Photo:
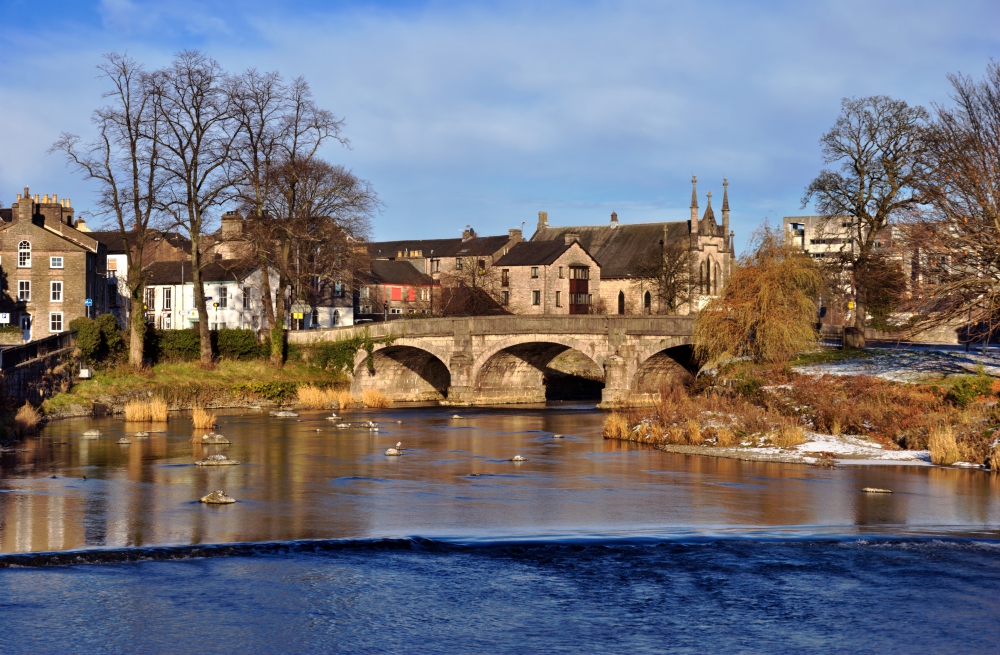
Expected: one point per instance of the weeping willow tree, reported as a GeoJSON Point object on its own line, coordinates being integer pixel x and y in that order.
{"type": "Point", "coordinates": [767, 311]}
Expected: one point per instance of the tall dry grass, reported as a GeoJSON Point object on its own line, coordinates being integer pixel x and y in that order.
{"type": "Point", "coordinates": [346, 400]}
{"type": "Point", "coordinates": [616, 426]}
{"type": "Point", "coordinates": [26, 420]}
{"type": "Point", "coordinates": [202, 418]}
{"type": "Point", "coordinates": [944, 449]}
{"type": "Point", "coordinates": [788, 436]}
{"type": "Point", "coordinates": [375, 398]}
{"type": "Point", "coordinates": [312, 397]}
{"type": "Point", "coordinates": [153, 410]}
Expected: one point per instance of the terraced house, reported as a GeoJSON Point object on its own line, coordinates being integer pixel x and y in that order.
{"type": "Point", "coordinates": [50, 271]}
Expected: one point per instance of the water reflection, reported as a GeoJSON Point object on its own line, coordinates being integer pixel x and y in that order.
{"type": "Point", "coordinates": [305, 479]}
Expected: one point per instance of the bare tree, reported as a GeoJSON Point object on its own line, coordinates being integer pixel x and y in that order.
{"type": "Point", "coordinates": [282, 131]}
{"type": "Point", "coordinates": [672, 274]}
{"type": "Point", "coordinates": [124, 159]}
{"type": "Point", "coordinates": [473, 288]}
{"type": "Point", "coordinates": [196, 142]}
{"type": "Point", "coordinates": [878, 143]}
{"type": "Point", "coordinates": [956, 243]}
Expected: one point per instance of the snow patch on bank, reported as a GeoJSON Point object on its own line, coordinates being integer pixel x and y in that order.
{"type": "Point", "coordinates": [908, 365]}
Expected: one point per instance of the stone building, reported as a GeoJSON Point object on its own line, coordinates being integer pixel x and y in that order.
{"type": "Point", "coordinates": [549, 277]}
{"type": "Point", "coordinates": [48, 268]}
{"type": "Point", "coordinates": [627, 253]}
{"type": "Point", "coordinates": [396, 287]}
{"type": "Point", "coordinates": [446, 259]}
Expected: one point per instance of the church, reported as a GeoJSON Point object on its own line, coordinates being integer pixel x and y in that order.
{"type": "Point", "coordinates": [636, 260]}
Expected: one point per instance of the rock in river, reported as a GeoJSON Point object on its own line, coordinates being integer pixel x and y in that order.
{"type": "Point", "coordinates": [123, 442]}
{"type": "Point", "coordinates": [91, 434]}
{"type": "Point", "coordinates": [395, 451]}
{"type": "Point", "coordinates": [518, 458]}
{"type": "Point", "coordinates": [216, 460]}
{"type": "Point", "coordinates": [282, 413]}
{"type": "Point", "coordinates": [211, 437]}
{"type": "Point", "coordinates": [218, 498]}
{"type": "Point", "coordinates": [141, 434]}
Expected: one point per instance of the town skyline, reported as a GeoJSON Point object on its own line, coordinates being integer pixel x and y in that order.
{"type": "Point", "coordinates": [577, 113]}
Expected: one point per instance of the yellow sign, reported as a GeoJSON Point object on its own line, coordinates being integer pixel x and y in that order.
{"type": "Point", "coordinates": [297, 315]}
{"type": "Point", "coordinates": [850, 304]}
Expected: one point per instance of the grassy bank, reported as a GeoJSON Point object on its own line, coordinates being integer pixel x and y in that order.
{"type": "Point", "coordinates": [753, 406]}
{"type": "Point", "coordinates": [182, 384]}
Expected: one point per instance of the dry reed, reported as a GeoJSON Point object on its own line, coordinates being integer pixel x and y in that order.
{"type": "Point", "coordinates": [788, 436]}
{"type": "Point", "coordinates": [941, 443]}
{"type": "Point", "coordinates": [725, 437]}
{"type": "Point", "coordinates": [375, 398]}
{"type": "Point", "coordinates": [692, 433]}
{"type": "Point", "coordinates": [202, 418]}
{"type": "Point", "coordinates": [616, 426]}
{"type": "Point", "coordinates": [993, 459]}
{"type": "Point", "coordinates": [312, 397]}
{"type": "Point", "coordinates": [346, 400]}
{"type": "Point", "coordinates": [26, 420]}
{"type": "Point", "coordinates": [153, 410]}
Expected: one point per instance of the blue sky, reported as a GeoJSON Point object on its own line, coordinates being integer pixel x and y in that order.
{"type": "Point", "coordinates": [484, 113]}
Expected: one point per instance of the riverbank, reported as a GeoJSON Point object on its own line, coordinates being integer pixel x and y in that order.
{"type": "Point", "coordinates": [831, 406]}
{"type": "Point", "coordinates": [181, 384]}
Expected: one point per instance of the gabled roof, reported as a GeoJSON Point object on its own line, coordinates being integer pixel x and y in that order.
{"type": "Point", "coordinates": [66, 232]}
{"type": "Point", "coordinates": [384, 271]}
{"type": "Point", "coordinates": [534, 253]}
{"type": "Point", "coordinates": [225, 270]}
{"type": "Point", "coordinates": [116, 246]}
{"type": "Point", "coordinates": [620, 250]}
{"type": "Point", "coordinates": [475, 247]}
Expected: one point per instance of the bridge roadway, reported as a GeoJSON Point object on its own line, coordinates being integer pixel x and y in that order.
{"type": "Point", "coordinates": [510, 359]}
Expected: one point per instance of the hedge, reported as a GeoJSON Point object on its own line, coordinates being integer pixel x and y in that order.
{"type": "Point", "coordinates": [185, 345]}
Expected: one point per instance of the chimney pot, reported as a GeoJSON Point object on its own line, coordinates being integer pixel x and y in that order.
{"type": "Point", "coordinates": [514, 233]}
{"type": "Point", "coordinates": [543, 219]}
{"type": "Point", "coordinates": [614, 218]}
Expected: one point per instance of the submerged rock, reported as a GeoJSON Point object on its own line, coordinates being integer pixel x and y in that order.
{"type": "Point", "coordinates": [558, 436]}
{"type": "Point", "coordinates": [123, 442]}
{"type": "Point", "coordinates": [283, 413]}
{"type": "Point", "coordinates": [91, 434]}
{"type": "Point", "coordinates": [218, 498]}
{"type": "Point", "coordinates": [518, 458]}
{"type": "Point", "coordinates": [211, 437]}
{"type": "Point", "coordinates": [141, 434]}
{"type": "Point", "coordinates": [457, 417]}
{"type": "Point", "coordinates": [216, 460]}
{"type": "Point", "coordinates": [876, 490]}
{"type": "Point", "coordinates": [396, 450]}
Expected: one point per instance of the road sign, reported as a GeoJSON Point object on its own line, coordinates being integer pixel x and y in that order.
{"type": "Point", "coordinates": [215, 304]}
{"type": "Point", "coordinates": [88, 302]}
{"type": "Point", "coordinates": [4, 318]}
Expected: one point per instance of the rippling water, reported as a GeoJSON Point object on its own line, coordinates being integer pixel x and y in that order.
{"type": "Point", "coordinates": [589, 546]}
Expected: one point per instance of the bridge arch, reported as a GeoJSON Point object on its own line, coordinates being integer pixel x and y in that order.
{"type": "Point", "coordinates": [666, 367]}
{"type": "Point", "coordinates": [403, 372]}
{"type": "Point", "coordinates": [526, 370]}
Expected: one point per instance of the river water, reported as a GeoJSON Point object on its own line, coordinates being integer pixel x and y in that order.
{"type": "Point", "coordinates": [588, 546]}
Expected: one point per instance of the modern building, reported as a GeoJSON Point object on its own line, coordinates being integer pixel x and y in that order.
{"type": "Point", "coordinates": [50, 272]}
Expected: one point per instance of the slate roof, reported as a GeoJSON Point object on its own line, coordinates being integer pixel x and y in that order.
{"type": "Point", "coordinates": [6, 214]}
{"type": "Point", "coordinates": [620, 251]}
{"type": "Point", "coordinates": [225, 270]}
{"type": "Point", "coordinates": [113, 240]}
{"type": "Point", "coordinates": [533, 253]}
{"type": "Point", "coordinates": [384, 271]}
{"type": "Point", "coordinates": [439, 247]}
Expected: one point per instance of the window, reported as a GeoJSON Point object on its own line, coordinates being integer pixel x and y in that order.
{"type": "Point", "coordinates": [481, 265]}
{"type": "Point", "coordinates": [168, 299]}
{"type": "Point", "coordinates": [458, 263]}
{"type": "Point", "coordinates": [56, 291]}
{"type": "Point", "coordinates": [150, 298]}
{"type": "Point", "coordinates": [336, 317]}
{"type": "Point", "coordinates": [338, 289]}
{"type": "Point", "coordinates": [246, 297]}
{"type": "Point", "coordinates": [425, 294]}
{"type": "Point", "coordinates": [505, 297]}
{"type": "Point", "coordinates": [435, 266]}
{"type": "Point", "coordinates": [55, 322]}
{"type": "Point", "coordinates": [24, 255]}
{"type": "Point", "coordinates": [559, 297]}
{"type": "Point", "coordinates": [579, 273]}
{"type": "Point", "coordinates": [412, 295]}
{"type": "Point", "coordinates": [24, 290]}
{"type": "Point", "coordinates": [534, 271]}
{"type": "Point", "coordinates": [560, 273]}
{"type": "Point", "coordinates": [112, 265]}
{"type": "Point", "coordinates": [536, 297]}
{"type": "Point", "coordinates": [396, 293]}
{"type": "Point", "coordinates": [315, 317]}
{"type": "Point", "coordinates": [223, 297]}
{"type": "Point", "coordinates": [395, 310]}
{"type": "Point", "coordinates": [505, 277]}
{"type": "Point", "coordinates": [55, 262]}
{"type": "Point", "coordinates": [315, 282]}
{"type": "Point", "coordinates": [165, 322]}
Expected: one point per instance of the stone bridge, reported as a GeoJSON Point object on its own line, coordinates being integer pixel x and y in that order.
{"type": "Point", "coordinates": [521, 359]}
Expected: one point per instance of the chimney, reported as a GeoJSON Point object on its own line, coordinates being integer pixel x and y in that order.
{"type": "Point", "coordinates": [570, 237]}
{"type": "Point", "coordinates": [232, 225]}
{"type": "Point", "coordinates": [514, 234]}
{"type": "Point", "coordinates": [81, 225]}
{"type": "Point", "coordinates": [614, 219]}
{"type": "Point", "coordinates": [468, 233]}
{"type": "Point", "coordinates": [543, 219]}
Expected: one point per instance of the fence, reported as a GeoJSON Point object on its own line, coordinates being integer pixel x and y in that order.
{"type": "Point", "coordinates": [27, 369]}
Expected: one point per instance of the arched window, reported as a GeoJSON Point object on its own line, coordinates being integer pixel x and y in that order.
{"type": "Point", "coordinates": [621, 302]}
{"type": "Point", "coordinates": [715, 281]}
{"type": "Point", "coordinates": [24, 255]}
{"type": "Point", "coordinates": [336, 317]}
{"type": "Point", "coordinates": [647, 303]}
{"type": "Point", "coordinates": [315, 317]}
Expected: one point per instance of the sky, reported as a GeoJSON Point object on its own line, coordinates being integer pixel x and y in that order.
{"type": "Point", "coordinates": [485, 113]}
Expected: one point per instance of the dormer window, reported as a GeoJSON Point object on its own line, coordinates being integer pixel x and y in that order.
{"type": "Point", "coordinates": [24, 255]}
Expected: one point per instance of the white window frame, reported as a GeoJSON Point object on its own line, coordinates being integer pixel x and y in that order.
{"type": "Point", "coordinates": [167, 299]}
{"type": "Point", "coordinates": [247, 296]}
{"type": "Point", "coordinates": [53, 264]}
{"type": "Point", "coordinates": [223, 298]}
{"type": "Point", "coordinates": [52, 319]}
{"type": "Point", "coordinates": [27, 287]}
{"type": "Point", "coordinates": [24, 261]}
{"type": "Point", "coordinates": [55, 291]}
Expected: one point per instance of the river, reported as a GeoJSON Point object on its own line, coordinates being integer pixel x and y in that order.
{"type": "Point", "coordinates": [588, 546]}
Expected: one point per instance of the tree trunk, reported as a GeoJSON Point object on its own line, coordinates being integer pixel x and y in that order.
{"type": "Point", "coordinates": [278, 329]}
{"type": "Point", "coordinates": [137, 329]}
{"type": "Point", "coordinates": [860, 316]}
{"type": "Point", "coordinates": [199, 303]}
